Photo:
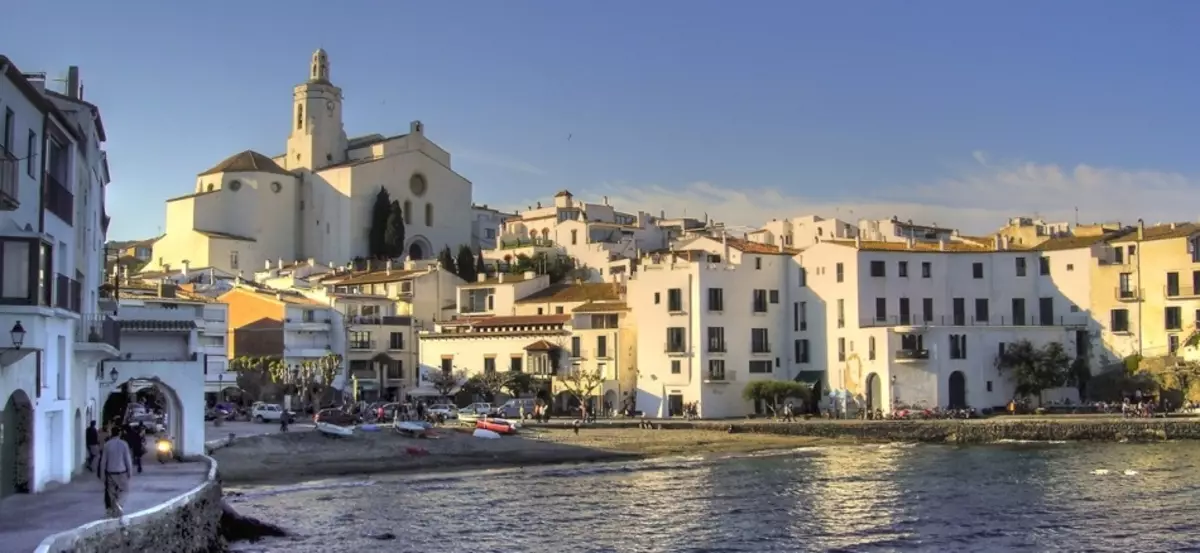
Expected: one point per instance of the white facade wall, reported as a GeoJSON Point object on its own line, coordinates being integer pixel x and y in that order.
{"type": "Point", "coordinates": [310, 338]}
{"type": "Point", "coordinates": [485, 227]}
{"type": "Point", "coordinates": [468, 351]}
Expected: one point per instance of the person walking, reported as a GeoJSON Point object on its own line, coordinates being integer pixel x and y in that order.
{"type": "Point", "coordinates": [92, 441]}
{"type": "Point", "coordinates": [114, 467]}
{"type": "Point", "coordinates": [137, 445]}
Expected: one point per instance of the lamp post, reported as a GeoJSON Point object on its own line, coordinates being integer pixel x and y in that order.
{"type": "Point", "coordinates": [895, 393]}
{"type": "Point", "coordinates": [113, 375]}
{"type": "Point", "coordinates": [18, 335]}
{"type": "Point", "coordinates": [221, 387]}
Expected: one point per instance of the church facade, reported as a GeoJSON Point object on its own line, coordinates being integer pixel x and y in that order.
{"type": "Point", "coordinates": [315, 200]}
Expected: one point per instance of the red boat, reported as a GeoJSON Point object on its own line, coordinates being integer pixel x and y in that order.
{"type": "Point", "coordinates": [499, 426]}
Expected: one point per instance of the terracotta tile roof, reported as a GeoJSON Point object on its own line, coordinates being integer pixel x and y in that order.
{"type": "Point", "coordinates": [1158, 232]}
{"type": "Point", "coordinates": [601, 307]}
{"type": "Point", "coordinates": [923, 247]}
{"type": "Point", "coordinates": [522, 320]}
{"type": "Point", "coordinates": [541, 345]}
{"type": "Point", "coordinates": [146, 292]}
{"type": "Point", "coordinates": [563, 193]}
{"type": "Point", "coordinates": [377, 277]}
{"type": "Point", "coordinates": [746, 246]}
{"type": "Point", "coordinates": [1072, 242]}
{"type": "Point", "coordinates": [225, 235]}
{"type": "Point", "coordinates": [248, 161]}
{"type": "Point", "coordinates": [565, 293]}
{"type": "Point", "coordinates": [156, 326]}
{"type": "Point", "coordinates": [281, 296]}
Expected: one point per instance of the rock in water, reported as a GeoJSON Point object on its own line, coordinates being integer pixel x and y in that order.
{"type": "Point", "coordinates": [236, 527]}
{"type": "Point", "coordinates": [383, 537]}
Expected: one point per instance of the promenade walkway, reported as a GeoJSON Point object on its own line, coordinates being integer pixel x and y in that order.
{"type": "Point", "coordinates": [27, 519]}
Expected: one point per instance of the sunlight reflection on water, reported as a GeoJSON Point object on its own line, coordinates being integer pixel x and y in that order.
{"type": "Point", "coordinates": [1011, 497]}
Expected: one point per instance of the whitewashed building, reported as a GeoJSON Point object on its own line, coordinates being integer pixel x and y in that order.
{"type": "Point", "coordinates": [52, 177]}
{"type": "Point", "coordinates": [315, 200]}
{"type": "Point", "coordinates": [282, 324]}
{"type": "Point", "coordinates": [486, 223]}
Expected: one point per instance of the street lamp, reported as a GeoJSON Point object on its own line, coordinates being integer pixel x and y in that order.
{"type": "Point", "coordinates": [221, 387]}
{"type": "Point", "coordinates": [112, 375]}
{"type": "Point", "coordinates": [18, 335]}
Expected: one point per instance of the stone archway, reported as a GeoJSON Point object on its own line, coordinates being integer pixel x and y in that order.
{"type": "Point", "coordinates": [154, 395]}
{"type": "Point", "coordinates": [415, 252]}
{"type": "Point", "coordinates": [958, 390]}
{"type": "Point", "coordinates": [16, 445]}
{"type": "Point", "coordinates": [419, 248]}
{"type": "Point", "coordinates": [874, 392]}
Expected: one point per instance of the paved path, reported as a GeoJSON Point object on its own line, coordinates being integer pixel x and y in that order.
{"type": "Point", "coordinates": [245, 429]}
{"type": "Point", "coordinates": [27, 519]}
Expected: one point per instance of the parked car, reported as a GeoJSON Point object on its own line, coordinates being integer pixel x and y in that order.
{"type": "Point", "coordinates": [267, 412]}
{"type": "Point", "coordinates": [479, 409]}
{"type": "Point", "coordinates": [446, 410]}
{"type": "Point", "coordinates": [511, 409]}
{"type": "Point", "coordinates": [335, 416]}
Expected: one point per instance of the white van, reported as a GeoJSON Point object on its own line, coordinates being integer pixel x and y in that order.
{"type": "Point", "coordinates": [512, 408]}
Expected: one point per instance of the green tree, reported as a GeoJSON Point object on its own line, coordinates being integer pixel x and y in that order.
{"type": "Point", "coordinates": [379, 222]}
{"type": "Point", "coordinates": [1173, 376]}
{"type": "Point", "coordinates": [393, 233]}
{"type": "Point", "coordinates": [1080, 376]}
{"type": "Point", "coordinates": [447, 260]}
{"type": "Point", "coordinates": [480, 266]}
{"type": "Point", "coordinates": [518, 383]}
{"type": "Point", "coordinates": [487, 384]}
{"type": "Point", "coordinates": [465, 262]}
{"type": "Point", "coordinates": [445, 381]}
{"type": "Point", "coordinates": [582, 383]}
{"type": "Point", "coordinates": [774, 392]}
{"type": "Point", "coordinates": [1035, 370]}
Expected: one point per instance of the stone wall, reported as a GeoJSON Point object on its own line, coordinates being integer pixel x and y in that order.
{"type": "Point", "coordinates": [955, 431]}
{"type": "Point", "coordinates": [189, 523]}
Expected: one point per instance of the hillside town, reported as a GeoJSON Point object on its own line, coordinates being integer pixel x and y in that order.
{"type": "Point", "coordinates": [361, 270]}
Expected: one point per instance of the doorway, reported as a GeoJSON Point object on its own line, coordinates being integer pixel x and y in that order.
{"type": "Point", "coordinates": [874, 392]}
{"type": "Point", "coordinates": [958, 390]}
{"type": "Point", "coordinates": [674, 405]}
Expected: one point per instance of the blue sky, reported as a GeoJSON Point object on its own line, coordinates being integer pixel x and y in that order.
{"type": "Point", "coordinates": [953, 112]}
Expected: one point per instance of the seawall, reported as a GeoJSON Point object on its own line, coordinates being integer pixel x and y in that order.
{"type": "Point", "coordinates": [948, 431]}
{"type": "Point", "coordinates": [189, 523]}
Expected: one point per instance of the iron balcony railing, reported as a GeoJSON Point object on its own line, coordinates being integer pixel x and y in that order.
{"type": "Point", "coordinates": [912, 354]}
{"type": "Point", "coordinates": [1074, 319]}
{"type": "Point", "coordinates": [98, 329]}
{"type": "Point", "coordinates": [68, 293]}
{"type": "Point", "coordinates": [59, 200]}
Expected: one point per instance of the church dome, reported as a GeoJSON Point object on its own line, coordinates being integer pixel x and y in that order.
{"type": "Point", "coordinates": [248, 161]}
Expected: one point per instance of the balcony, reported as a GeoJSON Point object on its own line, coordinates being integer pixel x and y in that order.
{"type": "Point", "coordinates": [387, 320]}
{"type": "Point", "coordinates": [760, 349]}
{"type": "Point", "coordinates": [675, 348]}
{"type": "Point", "coordinates": [526, 243]}
{"type": "Point", "coordinates": [716, 347]}
{"type": "Point", "coordinates": [25, 260]}
{"type": "Point", "coordinates": [1128, 294]}
{"type": "Point", "coordinates": [300, 324]}
{"type": "Point", "coordinates": [59, 200]}
{"type": "Point", "coordinates": [68, 293]}
{"type": "Point", "coordinates": [1073, 319]}
{"type": "Point", "coordinates": [98, 329]}
{"type": "Point", "coordinates": [10, 198]}
{"type": "Point", "coordinates": [307, 351]}
{"type": "Point", "coordinates": [905, 354]}
{"type": "Point", "coordinates": [1180, 292]}
{"type": "Point", "coordinates": [719, 376]}
{"type": "Point", "coordinates": [362, 345]}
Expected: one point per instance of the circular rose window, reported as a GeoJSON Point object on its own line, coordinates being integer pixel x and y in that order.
{"type": "Point", "coordinates": [417, 184]}
{"type": "Point", "coordinates": [276, 187]}
{"type": "Point", "coordinates": [235, 185]}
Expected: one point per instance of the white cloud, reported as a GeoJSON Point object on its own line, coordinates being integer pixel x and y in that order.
{"type": "Point", "coordinates": [977, 200]}
{"type": "Point", "coordinates": [498, 161]}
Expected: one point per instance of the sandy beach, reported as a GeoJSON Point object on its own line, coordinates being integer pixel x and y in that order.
{"type": "Point", "coordinates": [299, 456]}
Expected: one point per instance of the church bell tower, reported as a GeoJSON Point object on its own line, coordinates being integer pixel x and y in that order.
{"type": "Point", "coordinates": [317, 139]}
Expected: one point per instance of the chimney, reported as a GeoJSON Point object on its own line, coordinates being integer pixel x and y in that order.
{"type": "Point", "coordinates": [482, 277]}
{"type": "Point", "coordinates": [996, 242]}
{"type": "Point", "coordinates": [1004, 242]}
{"type": "Point", "coordinates": [780, 244]}
{"type": "Point", "coordinates": [312, 262]}
{"type": "Point", "coordinates": [1172, 226]}
{"type": "Point", "coordinates": [857, 241]}
{"type": "Point", "coordinates": [388, 267]}
{"type": "Point", "coordinates": [1141, 230]}
{"type": "Point", "coordinates": [416, 127]}
{"type": "Point", "coordinates": [368, 265]}
{"type": "Point", "coordinates": [500, 278]}
{"type": "Point", "coordinates": [909, 242]}
{"type": "Point", "coordinates": [166, 290]}
{"type": "Point", "coordinates": [267, 264]}
{"type": "Point", "coordinates": [212, 275]}
{"type": "Point", "coordinates": [530, 275]}
{"type": "Point", "coordinates": [662, 214]}
{"type": "Point", "coordinates": [74, 90]}
{"type": "Point", "coordinates": [280, 265]}
{"type": "Point", "coordinates": [185, 266]}
{"type": "Point", "coordinates": [606, 200]}
{"type": "Point", "coordinates": [279, 296]}
{"type": "Point", "coordinates": [942, 245]}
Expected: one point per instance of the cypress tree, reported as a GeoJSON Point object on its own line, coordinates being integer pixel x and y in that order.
{"type": "Point", "coordinates": [447, 260]}
{"type": "Point", "coordinates": [376, 245]}
{"type": "Point", "coordinates": [466, 263]}
{"type": "Point", "coordinates": [393, 235]}
{"type": "Point", "coordinates": [480, 266]}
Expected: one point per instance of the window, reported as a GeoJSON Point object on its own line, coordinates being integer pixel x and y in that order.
{"type": "Point", "coordinates": [489, 233]}
{"type": "Point", "coordinates": [760, 367]}
{"type": "Point", "coordinates": [428, 214]}
{"type": "Point", "coordinates": [1119, 320]}
{"type": "Point", "coordinates": [977, 270]}
{"type": "Point", "coordinates": [802, 277]}
{"type": "Point", "coordinates": [1018, 311]}
{"type": "Point", "coordinates": [871, 348]}
{"type": "Point", "coordinates": [960, 311]}
{"type": "Point", "coordinates": [489, 364]}
{"type": "Point", "coordinates": [576, 347]}
{"type": "Point", "coordinates": [840, 271]}
{"type": "Point", "coordinates": [1046, 311]}
{"type": "Point", "coordinates": [759, 343]}
{"type": "Point", "coordinates": [802, 322]}
{"type": "Point", "coordinates": [676, 366]}
{"type": "Point", "coordinates": [958, 346]}
{"type": "Point", "coordinates": [760, 301]}
{"type": "Point", "coordinates": [716, 339]}
{"type": "Point", "coordinates": [675, 300]}
{"type": "Point", "coordinates": [574, 237]}
{"type": "Point", "coordinates": [7, 137]}
{"type": "Point", "coordinates": [1125, 286]}
{"type": "Point", "coordinates": [541, 311]}
{"type": "Point", "coordinates": [716, 369]}
{"type": "Point", "coordinates": [1172, 284]}
{"type": "Point", "coordinates": [1172, 344]}
{"type": "Point", "coordinates": [773, 296]}
{"type": "Point", "coordinates": [514, 364]}
{"type": "Point", "coordinates": [841, 349]}
{"type": "Point", "coordinates": [801, 350]}
{"type": "Point", "coordinates": [841, 313]}
{"type": "Point", "coordinates": [902, 270]}
{"type": "Point", "coordinates": [447, 364]}
{"type": "Point", "coordinates": [927, 309]}
{"type": "Point", "coordinates": [396, 340]}
{"type": "Point", "coordinates": [1020, 261]}
{"type": "Point", "coordinates": [1070, 266]}
{"type": "Point", "coordinates": [878, 269]}
{"type": "Point", "coordinates": [757, 263]}
{"type": "Point", "coordinates": [1044, 265]}
{"type": "Point", "coordinates": [233, 260]}
{"type": "Point", "coordinates": [717, 299]}
{"type": "Point", "coordinates": [675, 340]}
{"type": "Point", "coordinates": [360, 340]}
{"type": "Point", "coordinates": [981, 310]}
{"type": "Point", "coordinates": [299, 116]}
{"type": "Point", "coordinates": [408, 212]}
{"type": "Point", "coordinates": [926, 269]}
{"type": "Point", "coordinates": [602, 346]}
{"type": "Point", "coordinates": [1173, 318]}
{"type": "Point", "coordinates": [905, 312]}
{"type": "Point", "coordinates": [880, 309]}
{"type": "Point", "coordinates": [31, 154]}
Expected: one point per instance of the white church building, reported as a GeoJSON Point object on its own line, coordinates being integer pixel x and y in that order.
{"type": "Point", "coordinates": [315, 200]}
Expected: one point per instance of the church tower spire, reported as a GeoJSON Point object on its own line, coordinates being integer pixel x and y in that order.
{"type": "Point", "coordinates": [318, 139]}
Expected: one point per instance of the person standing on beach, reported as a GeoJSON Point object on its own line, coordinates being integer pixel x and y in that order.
{"type": "Point", "coordinates": [114, 467]}
{"type": "Point", "coordinates": [92, 441]}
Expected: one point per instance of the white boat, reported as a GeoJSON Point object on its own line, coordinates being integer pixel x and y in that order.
{"type": "Point", "coordinates": [334, 430]}
{"type": "Point", "coordinates": [412, 428]}
{"type": "Point", "coordinates": [486, 434]}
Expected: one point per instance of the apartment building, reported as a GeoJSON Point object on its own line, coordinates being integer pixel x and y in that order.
{"type": "Point", "coordinates": [486, 223]}
{"type": "Point", "coordinates": [711, 314]}
{"type": "Point", "coordinates": [53, 172]}
{"type": "Point", "coordinates": [284, 324]}
{"type": "Point", "coordinates": [804, 231]}
{"type": "Point", "coordinates": [922, 323]}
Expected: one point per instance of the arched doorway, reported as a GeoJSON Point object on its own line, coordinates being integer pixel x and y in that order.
{"type": "Point", "coordinates": [16, 445]}
{"type": "Point", "coordinates": [958, 390]}
{"type": "Point", "coordinates": [610, 401]}
{"type": "Point", "coordinates": [874, 392]}
{"type": "Point", "coordinates": [154, 397]}
{"type": "Point", "coordinates": [416, 252]}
